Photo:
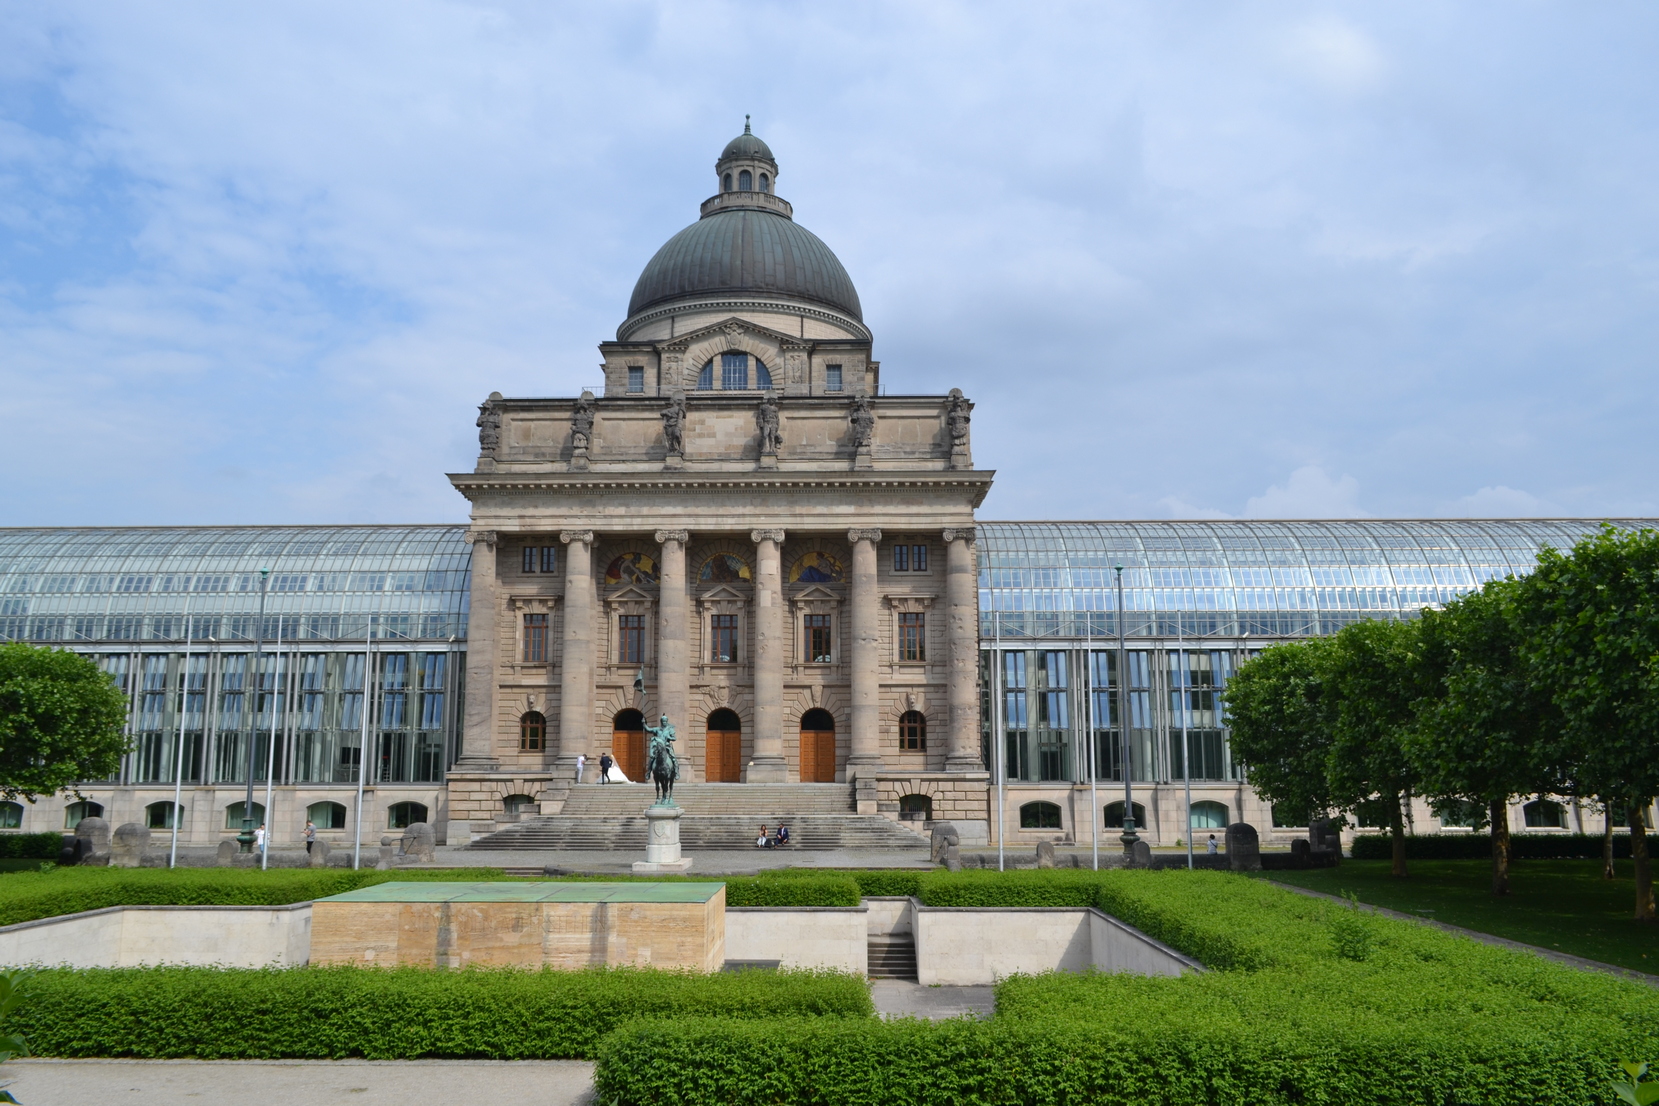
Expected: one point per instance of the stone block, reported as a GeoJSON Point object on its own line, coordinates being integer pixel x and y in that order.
{"type": "Point", "coordinates": [1045, 854]}
{"type": "Point", "coordinates": [318, 856]}
{"type": "Point", "coordinates": [225, 855]}
{"type": "Point", "coordinates": [1244, 852]}
{"type": "Point", "coordinates": [951, 857]}
{"type": "Point", "coordinates": [419, 843]}
{"type": "Point", "coordinates": [1138, 855]}
{"type": "Point", "coordinates": [92, 842]}
{"type": "Point", "coordinates": [943, 836]}
{"type": "Point", "coordinates": [388, 854]}
{"type": "Point", "coordinates": [128, 845]}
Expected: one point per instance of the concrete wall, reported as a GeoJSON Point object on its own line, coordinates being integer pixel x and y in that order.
{"type": "Point", "coordinates": [800, 936]}
{"type": "Point", "coordinates": [963, 946]}
{"type": "Point", "coordinates": [132, 936]}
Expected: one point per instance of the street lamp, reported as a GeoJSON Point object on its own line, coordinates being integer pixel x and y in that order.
{"type": "Point", "coordinates": [1130, 837]}
{"type": "Point", "coordinates": [245, 838]}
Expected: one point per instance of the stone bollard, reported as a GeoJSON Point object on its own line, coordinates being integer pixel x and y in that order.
{"type": "Point", "coordinates": [226, 856]}
{"type": "Point", "coordinates": [92, 842]}
{"type": "Point", "coordinates": [944, 834]}
{"type": "Point", "coordinates": [1138, 855]}
{"type": "Point", "coordinates": [951, 857]}
{"type": "Point", "coordinates": [388, 854]}
{"type": "Point", "coordinates": [419, 843]}
{"type": "Point", "coordinates": [1301, 853]}
{"type": "Point", "coordinates": [1324, 840]}
{"type": "Point", "coordinates": [128, 846]}
{"type": "Point", "coordinates": [1244, 851]}
{"type": "Point", "coordinates": [318, 856]}
{"type": "Point", "coordinates": [1045, 854]}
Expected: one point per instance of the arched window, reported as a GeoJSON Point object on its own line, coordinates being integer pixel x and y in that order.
{"type": "Point", "coordinates": [1039, 816]}
{"type": "Point", "coordinates": [159, 815]}
{"type": "Point", "coordinates": [532, 732]}
{"type": "Point", "coordinates": [515, 805]}
{"type": "Point", "coordinates": [745, 182]}
{"type": "Point", "coordinates": [326, 815]}
{"type": "Point", "coordinates": [234, 815]}
{"type": "Point", "coordinates": [11, 815]}
{"type": "Point", "coordinates": [705, 379]}
{"type": "Point", "coordinates": [404, 815]}
{"type": "Point", "coordinates": [1206, 815]}
{"type": "Point", "coordinates": [763, 376]}
{"type": "Point", "coordinates": [765, 183]}
{"type": "Point", "coordinates": [919, 808]}
{"type": "Point", "coordinates": [734, 373]}
{"type": "Point", "coordinates": [726, 183]}
{"type": "Point", "coordinates": [913, 731]}
{"type": "Point", "coordinates": [1544, 814]}
{"type": "Point", "coordinates": [86, 808]}
{"type": "Point", "coordinates": [1114, 815]}
{"type": "Point", "coordinates": [1460, 814]}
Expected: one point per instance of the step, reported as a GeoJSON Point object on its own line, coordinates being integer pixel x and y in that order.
{"type": "Point", "coordinates": [707, 831]}
{"type": "Point", "coordinates": [757, 800]}
{"type": "Point", "coordinates": [892, 957]}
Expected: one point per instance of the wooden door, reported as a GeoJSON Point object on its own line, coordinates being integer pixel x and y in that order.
{"type": "Point", "coordinates": [725, 756]}
{"type": "Point", "coordinates": [628, 747]}
{"type": "Point", "coordinates": [817, 756]}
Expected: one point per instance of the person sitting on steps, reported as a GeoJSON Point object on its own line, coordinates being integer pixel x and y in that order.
{"type": "Point", "coordinates": [763, 841]}
{"type": "Point", "coordinates": [783, 835]}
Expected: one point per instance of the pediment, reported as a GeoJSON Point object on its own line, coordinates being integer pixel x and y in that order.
{"type": "Point", "coordinates": [629, 592]}
{"type": "Point", "coordinates": [730, 327]}
{"type": "Point", "coordinates": [723, 591]}
{"type": "Point", "coordinates": [814, 591]}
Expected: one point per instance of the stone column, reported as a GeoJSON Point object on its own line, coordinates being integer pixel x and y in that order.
{"type": "Point", "coordinates": [478, 734]}
{"type": "Point", "coordinates": [576, 652]}
{"type": "Point", "coordinates": [865, 656]}
{"type": "Point", "coordinates": [768, 765]}
{"type": "Point", "coordinates": [673, 626]}
{"type": "Point", "coordinates": [962, 652]}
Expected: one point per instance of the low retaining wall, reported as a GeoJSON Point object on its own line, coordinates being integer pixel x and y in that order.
{"type": "Point", "coordinates": [835, 937]}
{"type": "Point", "coordinates": [966, 946]}
{"type": "Point", "coordinates": [133, 936]}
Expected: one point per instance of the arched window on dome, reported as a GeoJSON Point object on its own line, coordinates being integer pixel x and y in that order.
{"type": "Point", "coordinates": [763, 378]}
{"type": "Point", "coordinates": [765, 183]}
{"type": "Point", "coordinates": [726, 183]}
{"type": "Point", "coordinates": [745, 181]}
{"type": "Point", "coordinates": [734, 373]}
{"type": "Point", "coordinates": [705, 379]}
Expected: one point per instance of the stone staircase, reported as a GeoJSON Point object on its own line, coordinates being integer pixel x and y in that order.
{"type": "Point", "coordinates": [606, 817]}
{"type": "Point", "coordinates": [892, 956]}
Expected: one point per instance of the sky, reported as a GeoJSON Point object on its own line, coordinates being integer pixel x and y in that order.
{"type": "Point", "coordinates": [259, 263]}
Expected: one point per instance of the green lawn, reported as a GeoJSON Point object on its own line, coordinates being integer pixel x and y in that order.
{"type": "Point", "coordinates": [1555, 904]}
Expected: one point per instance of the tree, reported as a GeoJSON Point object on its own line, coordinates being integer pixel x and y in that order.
{"type": "Point", "coordinates": [1280, 718]}
{"type": "Point", "coordinates": [1376, 679]}
{"type": "Point", "coordinates": [1483, 738]}
{"type": "Point", "coordinates": [1591, 619]}
{"type": "Point", "coordinates": [60, 721]}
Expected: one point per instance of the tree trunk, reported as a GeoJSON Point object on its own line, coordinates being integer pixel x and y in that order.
{"type": "Point", "coordinates": [1498, 812]}
{"type": "Point", "coordinates": [1639, 858]}
{"type": "Point", "coordinates": [1398, 828]}
{"type": "Point", "coordinates": [1607, 842]}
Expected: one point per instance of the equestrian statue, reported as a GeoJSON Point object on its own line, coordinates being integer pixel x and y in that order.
{"type": "Point", "coordinates": [661, 765]}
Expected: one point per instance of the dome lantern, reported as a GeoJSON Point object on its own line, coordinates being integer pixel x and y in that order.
{"type": "Point", "coordinates": [746, 164]}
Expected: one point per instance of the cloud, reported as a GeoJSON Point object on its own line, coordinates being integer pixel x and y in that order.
{"type": "Point", "coordinates": [1336, 53]}
{"type": "Point", "coordinates": [1502, 502]}
{"type": "Point", "coordinates": [1176, 507]}
{"type": "Point", "coordinates": [1310, 492]}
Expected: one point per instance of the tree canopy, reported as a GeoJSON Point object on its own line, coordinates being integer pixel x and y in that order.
{"type": "Point", "coordinates": [61, 721]}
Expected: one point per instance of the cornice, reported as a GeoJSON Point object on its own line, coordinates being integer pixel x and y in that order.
{"type": "Point", "coordinates": [670, 482]}
{"type": "Point", "coordinates": [791, 307]}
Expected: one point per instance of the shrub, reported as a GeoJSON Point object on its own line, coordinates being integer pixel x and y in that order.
{"type": "Point", "coordinates": [1478, 846]}
{"type": "Point", "coordinates": [26, 896]}
{"type": "Point", "coordinates": [890, 881]}
{"type": "Point", "coordinates": [806, 890]}
{"type": "Point", "coordinates": [30, 846]}
{"type": "Point", "coordinates": [1051, 887]}
{"type": "Point", "coordinates": [395, 1014]}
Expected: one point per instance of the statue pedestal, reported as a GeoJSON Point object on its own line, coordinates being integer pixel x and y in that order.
{"type": "Point", "coordinates": [662, 842]}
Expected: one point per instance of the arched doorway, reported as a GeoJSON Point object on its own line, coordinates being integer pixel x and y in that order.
{"type": "Point", "coordinates": [628, 743]}
{"type": "Point", "coordinates": [817, 747]}
{"type": "Point", "coordinates": [724, 748]}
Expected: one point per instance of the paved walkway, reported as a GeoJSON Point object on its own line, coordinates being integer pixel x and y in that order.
{"type": "Point", "coordinates": [711, 862]}
{"type": "Point", "coordinates": [313, 1082]}
{"type": "Point", "coordinates": [897, 998]}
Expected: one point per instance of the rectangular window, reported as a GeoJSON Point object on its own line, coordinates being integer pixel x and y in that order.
{"type": "Point", "coordinates": [818, 639]}
{"type": "Point", "coordinates": [832, 378]}
{"type": "Point", "coordinates": [535, 638]}
{"type": "Point", "coordinates": [912, 636]}
{"type": "Point", "coordinates": [723, 634]}
{"type": "Point", "coordinates": [636, 380]}
{"type": "Point", "coordinates": [734, 371]}
{"type": "Point", "coordinates": [901, 558]}
{"type": "Point", "coordinates": [540, 558]}
{"type": "Point", "coordinates": [909, 558]}
{"type": "Point", "coordinates": [631, 639]}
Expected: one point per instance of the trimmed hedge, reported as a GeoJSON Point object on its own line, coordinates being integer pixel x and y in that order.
{"type": "Point", "coordinates": [26, 896]}
{"type": "Point", "coordinates": [1478, 846]}
{"type": "Point", "coordinates": [395, 1014]}
{"type": "Point", "coordinates": [30, 846]}
{"type": "Point", "coordinates": [804, 890]}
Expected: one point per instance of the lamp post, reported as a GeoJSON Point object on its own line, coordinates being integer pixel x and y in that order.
{"type": "Point", "coordinates": [245, 838]}
{"type": "Point", "coordinates": [1130, 837]}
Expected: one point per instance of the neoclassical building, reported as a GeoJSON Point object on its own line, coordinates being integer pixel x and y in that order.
{"type": "Point", "coordinates": [743, 533]}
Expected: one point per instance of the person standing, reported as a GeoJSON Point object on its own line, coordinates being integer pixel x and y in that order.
{"type": "Point", "coordinates": [259, 837]}
{"type": "Point", "coordinates": [605, 763]}
{"type": "Point", "coordinates": [310, 835]}
{"type": "Point", "coordinates": [1212, 848]}
{"type": "Point", "coordinates": [581, 762]}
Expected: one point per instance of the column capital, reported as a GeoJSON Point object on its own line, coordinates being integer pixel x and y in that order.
{"type": "Point", "coordinates": [583, 536]}
{"type": "Point", "coordinates": [869, 535]}
{"type": "Point", "coordinates": [964, 533]}
{"type": "Point", "coordinates": [665, 536]}
{"type": "Point", "coordinates": [473, 537]}
{"type": "Point", "coordinates": [758, 536]}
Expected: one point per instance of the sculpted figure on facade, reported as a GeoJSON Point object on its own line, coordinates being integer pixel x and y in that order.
{"type": "Point", "coordinates": [489, 424]}
{"type": "Point", "coordinates": [581, 421]}
{"type": "Point", "coordinates": [957, 417]}
{"type": "Point", "coordinates": [673, 425]}
{"type": "Point", "coordinates": [862, 420]}
{"type": "Point", "coordinates": [769, 423]}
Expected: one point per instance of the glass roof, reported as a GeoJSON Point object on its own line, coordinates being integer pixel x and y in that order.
{"type": "Point", "coordinates": [1243, 579]}
{"type": "Point", "coordinates": [97, 584]}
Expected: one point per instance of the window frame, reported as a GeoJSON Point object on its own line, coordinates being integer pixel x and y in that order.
{"type": "Point", "coordinates": [912, 637]}
{"type": "Point", "coordinates": [834, 380]}
{"type": "Point", "coordinates": [636, 376]}
{"type": "Point", "coordinates": [912, 732]}
{"type": "Point", "coordinates": [814, 624]}
{"type": "Point", "coordinates": [532, 732]}
{"type": "Point", "coordinates": [535, 626]}
{"type": "Point", "coordinates": [630, 639]}
{"type": "Point", "coordinates": [722, 624]}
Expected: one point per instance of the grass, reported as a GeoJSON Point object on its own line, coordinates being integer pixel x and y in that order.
{"type": "Point", "coordinates": [1555, 904]}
